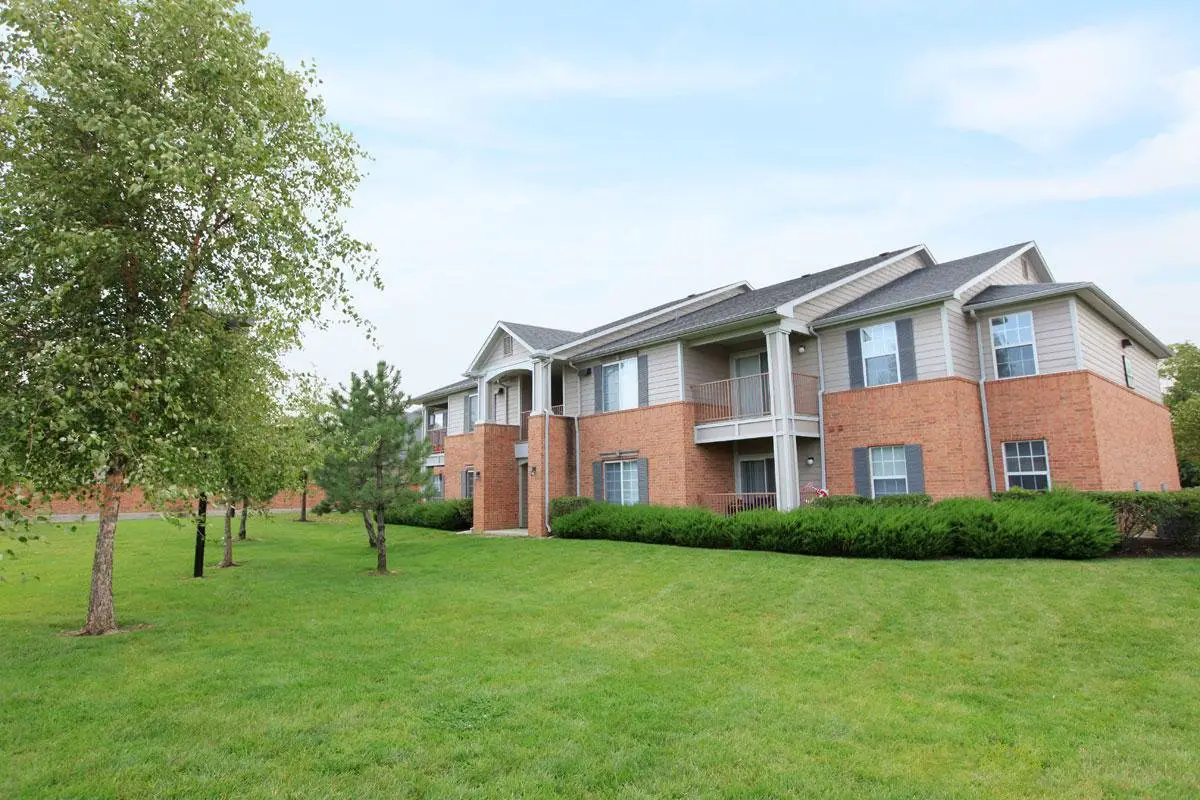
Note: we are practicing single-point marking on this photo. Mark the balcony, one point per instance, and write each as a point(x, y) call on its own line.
point(730, 503)
point(742, 408)
point(437, 439)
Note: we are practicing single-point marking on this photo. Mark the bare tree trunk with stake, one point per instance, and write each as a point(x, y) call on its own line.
point(245, 510)
point(227, 561)
point(304, 496)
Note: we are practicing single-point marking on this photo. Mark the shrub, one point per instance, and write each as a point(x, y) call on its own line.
point(446, 515)
point(561, 506)
point(839, 500)
point(1048, 525)
point(1135, 513)
point(904, 500)
point(1178, 518)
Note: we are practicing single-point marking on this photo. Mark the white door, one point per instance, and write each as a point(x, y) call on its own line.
point(751, 398)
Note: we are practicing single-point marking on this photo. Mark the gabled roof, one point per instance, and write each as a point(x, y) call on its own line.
point(921, 286)
point(538, 338)
point(444, 391)
point(1002, 295)
point(746, 306)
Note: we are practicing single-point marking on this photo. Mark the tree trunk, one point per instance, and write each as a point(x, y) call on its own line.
point(245, 510)
point(380, 541)
point(102, 615)
point(304, 497)
point(227, 561)
point(370, 528)
point(201, 535)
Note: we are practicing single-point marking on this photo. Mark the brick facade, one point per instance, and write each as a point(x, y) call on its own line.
point(497, 501)
point(1099, 436)
point(942, 415)
point(562, 466)
point(135, 502)
point(462, 451)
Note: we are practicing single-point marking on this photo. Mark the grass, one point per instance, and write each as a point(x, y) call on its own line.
point(535, 668)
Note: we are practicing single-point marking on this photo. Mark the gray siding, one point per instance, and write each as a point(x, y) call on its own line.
point(1019, 270)
point(963, 347)
point(927, 340)
point(704, 365)
point(834, 298)
point(454, 414)
point(664, 373)
point(1101, 344)
point(579, 397)
point(570, 392)
point(1053, 337)
point(494, 357)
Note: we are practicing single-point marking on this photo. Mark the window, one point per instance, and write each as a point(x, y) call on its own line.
point(436, 418)
point(621, 482)
point(500, 408)
point(469, 476)
point(1026, 465)
point(469, 412)
point(1128, 370)
point(889, 471)
point(1012, 344)
point(756, 475)
point(437, 485)
point(506, 344)
point(620, 388)
point(881, 354)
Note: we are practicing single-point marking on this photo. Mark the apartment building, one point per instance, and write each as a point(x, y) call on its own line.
point(893, 374)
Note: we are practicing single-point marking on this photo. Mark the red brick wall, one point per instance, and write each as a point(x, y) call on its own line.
point(461, 451)
point(942, 415)
point(1099, 436)
point(562, 459)
point(134, 501)
point(496, 489)
point(664, 434)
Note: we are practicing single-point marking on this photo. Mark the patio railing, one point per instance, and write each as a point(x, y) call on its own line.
point(729, 503)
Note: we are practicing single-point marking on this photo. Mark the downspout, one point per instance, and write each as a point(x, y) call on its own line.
point(987, 424)
point(578, 480)
point(821, 409)
point(546, 469)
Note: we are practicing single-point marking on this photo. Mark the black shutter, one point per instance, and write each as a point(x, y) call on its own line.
point(643, 468)
point(908, 349)
point(914, 464)
point(854, 358)
point(598, 389)
point(862, 471)
point(643, 365)
point(462, 486)
point(598, 481)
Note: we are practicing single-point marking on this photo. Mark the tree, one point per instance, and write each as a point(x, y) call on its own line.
point(376, 458)
point(160, 171)
point(306, 406)
point(1182, 373)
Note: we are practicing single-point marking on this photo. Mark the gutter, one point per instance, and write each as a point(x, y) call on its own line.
point(829, 322)
point(732, 322)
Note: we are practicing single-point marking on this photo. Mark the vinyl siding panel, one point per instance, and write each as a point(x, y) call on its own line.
point(1019, 270)
point(494, 357)
point(1053, 338)
point(570, 381)
point(454, 414)
point(927, 341)
point(664, 373)
point(704, 365)
point(806, 362)
point(1101, 343)
point(823, 304)
point(663, 379)
point(963, 347)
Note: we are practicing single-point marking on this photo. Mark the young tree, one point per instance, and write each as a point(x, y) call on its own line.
point(1182, 373)
point(157, 167)
point(376, 457)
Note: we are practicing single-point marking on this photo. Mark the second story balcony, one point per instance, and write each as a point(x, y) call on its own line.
point(749, 397)
point(437, 439)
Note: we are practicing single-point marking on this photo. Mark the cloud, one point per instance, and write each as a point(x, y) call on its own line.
point(1044, 93)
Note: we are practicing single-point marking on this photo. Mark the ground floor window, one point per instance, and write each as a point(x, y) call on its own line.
point(756, 475)
point(1026, 465)
point(438, 485)
point(621, 482)
point(468, 487)
point(889, 471)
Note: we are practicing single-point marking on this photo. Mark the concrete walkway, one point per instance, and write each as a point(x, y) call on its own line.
point(507, 532)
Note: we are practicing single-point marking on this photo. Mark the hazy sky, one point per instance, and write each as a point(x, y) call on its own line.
point(563, 164)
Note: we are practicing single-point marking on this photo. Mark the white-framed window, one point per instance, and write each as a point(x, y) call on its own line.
point(469, 477)
point(506, 344)
point(469, 412)
point(756, 475)
point(1026, 465)
point(1013, 352)
point(619, 389)
point(437, 485)
point(889, 471)
point(435, 418)
point(1128, 367)
point(621, 482)
point(880, 354)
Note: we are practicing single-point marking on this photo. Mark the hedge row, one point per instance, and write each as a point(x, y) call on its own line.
point(446, 515)
point(1053, 526)
point(1172, 516)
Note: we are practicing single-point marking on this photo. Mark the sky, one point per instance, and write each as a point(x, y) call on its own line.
point(565, 164)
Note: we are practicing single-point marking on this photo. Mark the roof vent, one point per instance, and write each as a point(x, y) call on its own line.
point(884, 253)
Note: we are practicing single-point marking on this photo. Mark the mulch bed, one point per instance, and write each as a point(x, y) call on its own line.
point(1153, 548)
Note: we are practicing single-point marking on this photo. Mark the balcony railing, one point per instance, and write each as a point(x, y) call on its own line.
point(729, 503)
point(750, 396)
point(437, 439)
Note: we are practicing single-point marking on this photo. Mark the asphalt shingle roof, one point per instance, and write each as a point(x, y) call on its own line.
point(541, 338)
point(927, 283)
point(1000, 293)
point(451, 388)
point(743, 306)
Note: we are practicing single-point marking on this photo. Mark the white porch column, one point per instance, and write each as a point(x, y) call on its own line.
point(482, 401)
point(783, 408)
point(542, 375)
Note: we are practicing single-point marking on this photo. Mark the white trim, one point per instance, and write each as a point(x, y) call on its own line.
point(958, 293)
point(737, 468)
point(949, 352)
point(679, 365)
point(499, 326)
point(1032, 345)
point(604, 480)
point(647, 317)
point(1004, 458)
point(863, 356)
point(733, 357)
point(788, 309)
point(598, 374)
point(1073, 310)
point(871, 467)
point(467, 418)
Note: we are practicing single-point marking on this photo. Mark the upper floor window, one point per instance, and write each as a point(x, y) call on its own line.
point(470, 412)
point(889, 471)
point(621, 482)
point(880, 354)
point(619, 389)
point(436, 418)
point(1128, 369)
point(1026, 465)
point(506, 344)
point(1012, 345)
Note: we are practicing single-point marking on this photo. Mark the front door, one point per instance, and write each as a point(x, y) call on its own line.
point(751, 398)
point(523, 495)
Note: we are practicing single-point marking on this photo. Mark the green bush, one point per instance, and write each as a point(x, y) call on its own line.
point(561, 506)
point(839, 500)
point(1178, 519)
point(904, 500)
point(1056, 525)
point(446, 515)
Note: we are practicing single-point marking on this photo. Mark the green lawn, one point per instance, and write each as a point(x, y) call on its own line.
point(540, 668)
